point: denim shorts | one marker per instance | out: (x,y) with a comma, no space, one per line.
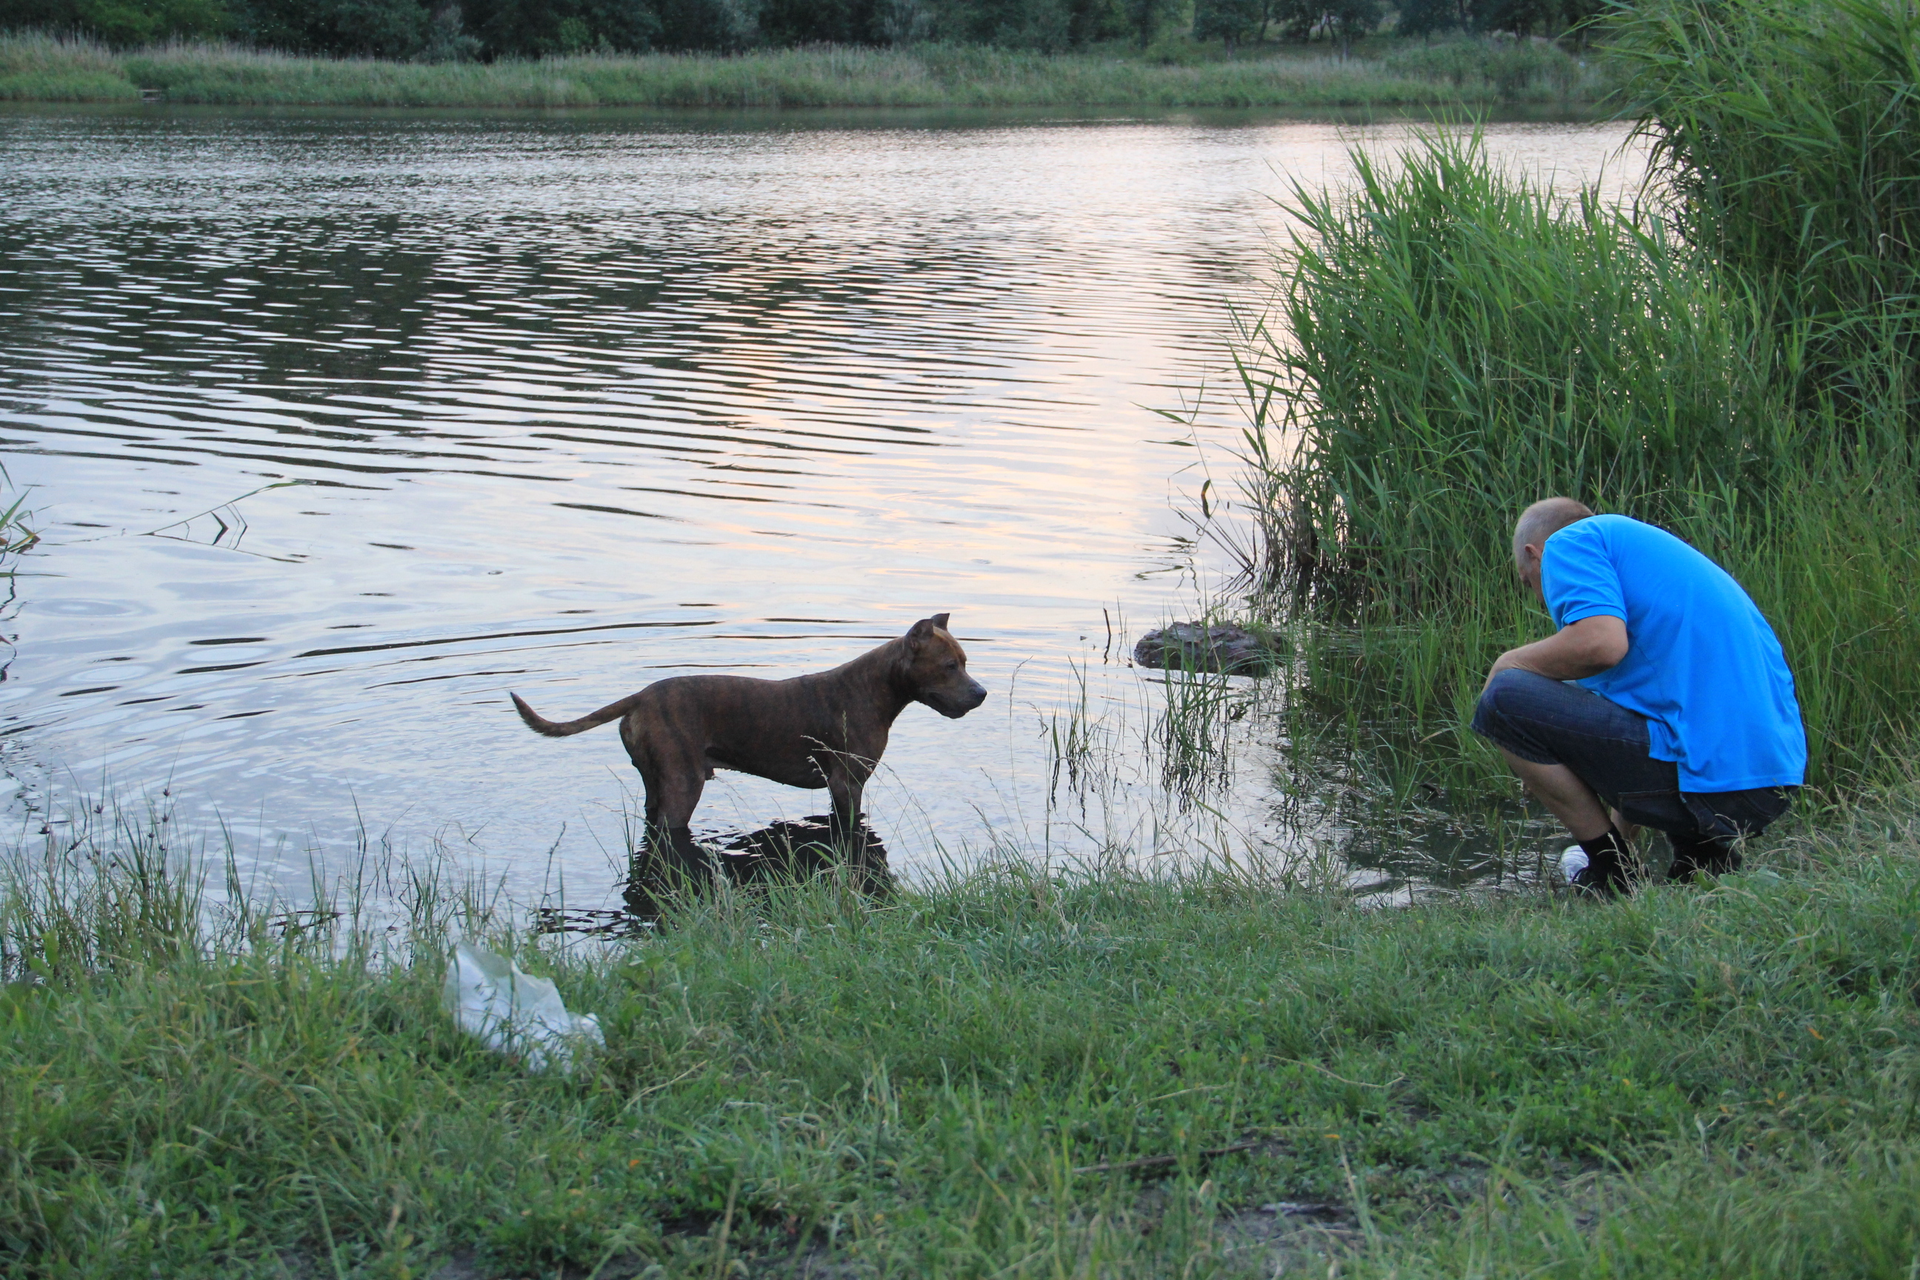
(1553,722)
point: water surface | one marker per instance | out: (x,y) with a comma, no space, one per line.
(571,403)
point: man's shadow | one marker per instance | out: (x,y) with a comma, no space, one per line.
(781,853)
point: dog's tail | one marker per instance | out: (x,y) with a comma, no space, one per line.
(567,728)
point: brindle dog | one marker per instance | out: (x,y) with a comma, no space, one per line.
(826,729)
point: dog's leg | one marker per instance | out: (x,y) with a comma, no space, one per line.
(650,883)
(847,786)
(670,825)
(669,861)
(846,792)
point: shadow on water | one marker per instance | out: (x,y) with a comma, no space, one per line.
(789,851)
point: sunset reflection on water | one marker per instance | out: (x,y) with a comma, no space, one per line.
(582,401)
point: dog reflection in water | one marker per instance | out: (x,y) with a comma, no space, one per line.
(823,730)
(782,852)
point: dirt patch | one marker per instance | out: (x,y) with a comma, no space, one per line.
(1288,1235)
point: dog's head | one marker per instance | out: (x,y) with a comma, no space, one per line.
(936,669)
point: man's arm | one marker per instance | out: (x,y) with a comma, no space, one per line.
(1579,649)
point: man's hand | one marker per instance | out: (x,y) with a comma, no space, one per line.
(1580,649)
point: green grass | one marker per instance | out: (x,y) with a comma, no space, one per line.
(42,68)
(1717,1081)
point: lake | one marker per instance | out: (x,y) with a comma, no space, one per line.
(572,402)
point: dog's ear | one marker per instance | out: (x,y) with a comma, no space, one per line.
(940,620)
(918,634)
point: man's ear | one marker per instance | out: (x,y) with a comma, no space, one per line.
(918,634)
(940,620)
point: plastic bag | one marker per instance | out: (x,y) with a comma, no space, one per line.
(513,1012)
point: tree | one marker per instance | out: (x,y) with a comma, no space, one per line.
(1429,17)
(121,22)
(1230,21)
(1522,17)
(536,28)
(790,22)
(1145,18)
(1349,20)
(351,28)
(1344,20)
(723,25)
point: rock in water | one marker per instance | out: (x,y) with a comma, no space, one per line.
(1193,646)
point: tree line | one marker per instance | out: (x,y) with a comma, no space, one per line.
(487,29)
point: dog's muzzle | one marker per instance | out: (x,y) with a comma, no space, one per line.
(957,703)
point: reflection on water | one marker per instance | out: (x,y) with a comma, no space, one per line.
(342,426)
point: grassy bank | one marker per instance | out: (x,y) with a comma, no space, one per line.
(1004,1075)
(1734,360)
(45,69)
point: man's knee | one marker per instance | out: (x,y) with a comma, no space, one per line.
(1493,714)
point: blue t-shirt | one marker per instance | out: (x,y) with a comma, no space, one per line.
(1702,664)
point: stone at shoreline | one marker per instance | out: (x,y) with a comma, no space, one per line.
(1193,646)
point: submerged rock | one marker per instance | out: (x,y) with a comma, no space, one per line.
(1194,646)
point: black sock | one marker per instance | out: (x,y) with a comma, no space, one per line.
(1607,851)
(1610,864)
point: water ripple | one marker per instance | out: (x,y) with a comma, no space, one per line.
(582,401)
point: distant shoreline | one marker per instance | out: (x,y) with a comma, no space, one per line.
(38,68)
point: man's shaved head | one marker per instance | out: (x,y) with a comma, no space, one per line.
(1544,519)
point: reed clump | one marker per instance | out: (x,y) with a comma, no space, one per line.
(38,66)
(1787,135)
(1453,342)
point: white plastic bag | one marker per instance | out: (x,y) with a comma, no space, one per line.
(511,1011)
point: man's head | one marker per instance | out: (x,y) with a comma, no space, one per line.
(1536,524)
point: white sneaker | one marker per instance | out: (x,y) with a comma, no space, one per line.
(1573,860)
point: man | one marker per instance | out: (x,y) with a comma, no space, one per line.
(1663,700)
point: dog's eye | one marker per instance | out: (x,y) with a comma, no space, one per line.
(953,664)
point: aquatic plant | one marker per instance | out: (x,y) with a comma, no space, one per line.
(15,534)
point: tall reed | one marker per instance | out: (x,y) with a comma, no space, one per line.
(1788,136)
(16,534)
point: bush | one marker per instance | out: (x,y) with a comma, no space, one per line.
(1231,21)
